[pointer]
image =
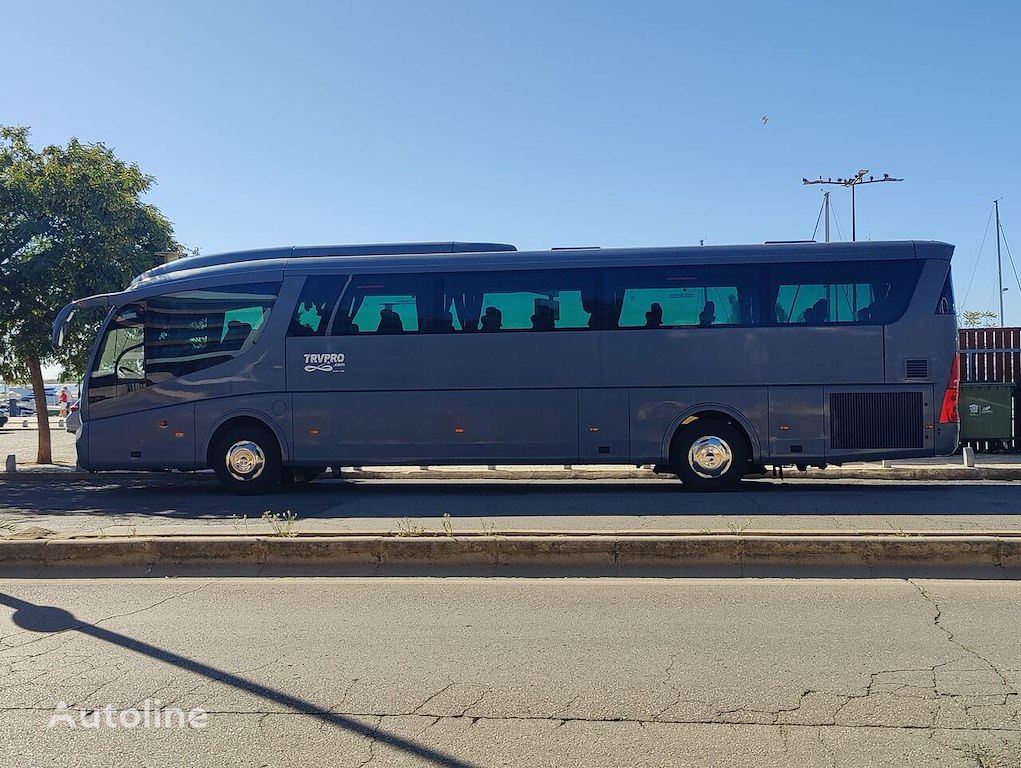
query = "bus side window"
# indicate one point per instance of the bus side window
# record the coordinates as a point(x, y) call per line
point(534, 300)
point(193, 330)
point(315, 305)
point(945, 305)
point(678, 297)
point(388, 305)
point(873, 292)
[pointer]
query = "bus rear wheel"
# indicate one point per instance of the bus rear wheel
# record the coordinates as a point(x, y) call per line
point(247, 459)
point(710, 455)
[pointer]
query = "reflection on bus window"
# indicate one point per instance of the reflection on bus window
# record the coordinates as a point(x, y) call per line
point(385, 305)
point(192, 330)
point(537, 300)
point(842, 292)
point(682, 297)
point(122, 355)
point(315, 305)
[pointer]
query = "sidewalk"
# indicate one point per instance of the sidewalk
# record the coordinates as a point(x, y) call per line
point(618, 520)
point(946, 468)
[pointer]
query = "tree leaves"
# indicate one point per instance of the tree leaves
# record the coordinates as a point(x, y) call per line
point(72, 224)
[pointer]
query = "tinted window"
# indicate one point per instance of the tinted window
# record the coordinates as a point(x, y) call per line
point(386, 305)
point(315, 306)
point(192, 330)
point(945, 305)
point(674, 297)
point(539, 300)
point(841, 292)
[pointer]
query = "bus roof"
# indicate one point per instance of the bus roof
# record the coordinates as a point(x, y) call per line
point(366, 249)
point(424, 257)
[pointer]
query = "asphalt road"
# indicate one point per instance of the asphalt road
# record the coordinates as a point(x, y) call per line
point(515, 672)
point(188, 503)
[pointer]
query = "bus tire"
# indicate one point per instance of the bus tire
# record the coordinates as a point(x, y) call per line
point(709, 455)
point(247, 459)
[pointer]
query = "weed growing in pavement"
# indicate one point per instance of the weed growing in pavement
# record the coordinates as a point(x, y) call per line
point(7, 525)
point(283, 525)
point(488, 529)
point(448, 527)
point(243, 523)
point(737, 530)
point(406, 528)
point(897, 530)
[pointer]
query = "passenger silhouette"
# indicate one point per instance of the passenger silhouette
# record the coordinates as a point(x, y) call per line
point(543, 319)
point(389, 322)
point(708, 315)
point(654, 317)
point(492, 320)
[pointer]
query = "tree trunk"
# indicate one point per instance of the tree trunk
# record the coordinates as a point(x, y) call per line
point(42, 416)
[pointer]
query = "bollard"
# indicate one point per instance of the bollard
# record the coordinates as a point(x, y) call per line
point(12, 463)
point(969, 456)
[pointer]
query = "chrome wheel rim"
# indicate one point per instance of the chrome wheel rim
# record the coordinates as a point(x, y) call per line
point(710, 457)
point(245, 460)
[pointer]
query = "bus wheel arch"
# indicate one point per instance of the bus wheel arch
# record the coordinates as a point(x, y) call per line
point(711, 450)
point(247, 455)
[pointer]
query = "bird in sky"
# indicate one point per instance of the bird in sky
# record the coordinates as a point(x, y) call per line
point(765, 119)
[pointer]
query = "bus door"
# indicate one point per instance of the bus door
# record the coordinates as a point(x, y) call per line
point(126, 422)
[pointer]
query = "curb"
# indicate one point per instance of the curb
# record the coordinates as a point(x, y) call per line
point(921, 474)
point(505, 554)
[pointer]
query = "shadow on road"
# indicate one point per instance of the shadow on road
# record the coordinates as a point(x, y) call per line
point(184, 497)
point(50, 619)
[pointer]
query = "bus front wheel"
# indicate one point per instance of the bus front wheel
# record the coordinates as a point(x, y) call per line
point(247, 459)
point(710, 455)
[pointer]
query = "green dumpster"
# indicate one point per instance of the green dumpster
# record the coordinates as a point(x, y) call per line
point(987, 411)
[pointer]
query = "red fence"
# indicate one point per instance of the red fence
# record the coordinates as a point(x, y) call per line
point(990, 354)
point(993, 355)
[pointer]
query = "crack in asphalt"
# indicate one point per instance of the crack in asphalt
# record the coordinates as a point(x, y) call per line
point(371, 736)
point(440, 692)
point(561, 720)
point(83, 623)
point(937, 622)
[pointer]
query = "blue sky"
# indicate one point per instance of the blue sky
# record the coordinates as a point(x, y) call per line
point(540, 123)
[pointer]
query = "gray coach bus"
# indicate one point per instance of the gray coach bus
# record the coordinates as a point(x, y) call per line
point(709, 362)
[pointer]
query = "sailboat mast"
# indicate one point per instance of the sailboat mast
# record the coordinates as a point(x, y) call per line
point(826, 205)
point(999, 263)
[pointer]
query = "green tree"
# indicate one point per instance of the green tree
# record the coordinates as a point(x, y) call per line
point(973, 318)
point(72, 224)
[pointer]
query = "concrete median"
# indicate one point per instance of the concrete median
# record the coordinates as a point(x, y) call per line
point(534, 553)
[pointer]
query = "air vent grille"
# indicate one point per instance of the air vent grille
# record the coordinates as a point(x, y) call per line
point(876, 420)
point(917, 369)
